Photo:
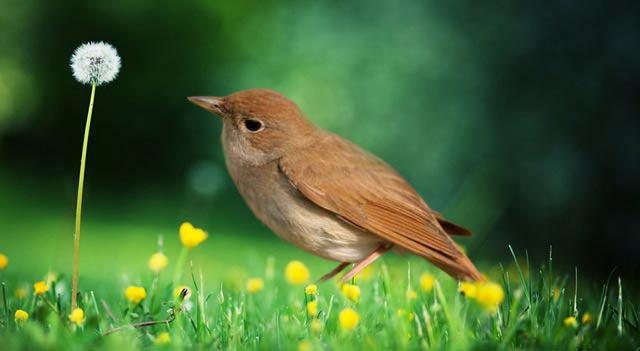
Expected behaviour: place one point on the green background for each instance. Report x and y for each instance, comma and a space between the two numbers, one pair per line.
518, 120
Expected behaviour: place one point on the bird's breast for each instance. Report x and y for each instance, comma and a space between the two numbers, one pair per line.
294, 218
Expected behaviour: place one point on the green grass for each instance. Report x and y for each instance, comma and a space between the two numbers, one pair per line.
223, 315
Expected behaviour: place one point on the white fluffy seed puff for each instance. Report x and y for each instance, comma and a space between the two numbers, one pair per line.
95, 63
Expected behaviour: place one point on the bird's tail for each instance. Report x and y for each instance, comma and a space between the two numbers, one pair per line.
460, 268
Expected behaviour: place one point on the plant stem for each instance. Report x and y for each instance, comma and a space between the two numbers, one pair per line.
76, 244
184, 252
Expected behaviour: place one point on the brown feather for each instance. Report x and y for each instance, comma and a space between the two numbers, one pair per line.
364, 191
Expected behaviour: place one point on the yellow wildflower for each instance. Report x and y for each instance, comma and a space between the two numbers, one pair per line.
570, 322
556, 294
351, 292
162, 339
178, 291
191, 236
21, 316
586, 318
410, 316
4, 261
158, 262
254, 285
365, 275
489, 294
348, 319
312, 308
135, 294
311, 289
316, 325
411, 294
77, 316
40, 288
296, 272
21, 293
426, 282
468, 289
305, 345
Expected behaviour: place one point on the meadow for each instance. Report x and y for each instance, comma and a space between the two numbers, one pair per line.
242, 292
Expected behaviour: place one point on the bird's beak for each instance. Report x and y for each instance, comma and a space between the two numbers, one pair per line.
212, 104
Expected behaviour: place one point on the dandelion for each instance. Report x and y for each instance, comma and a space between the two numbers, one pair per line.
135, 294
157, 262
296, 273
21, 316
490, 295
4, 261
468, 289
411, 294
254, 285
162, 339
182, 292
426, 282
21, 293
351, 292
586, 318
305, 345
77, 316
570, 322
348, 319
95, 64
312, 308
191, 236
311, 289
316, 325
40, 288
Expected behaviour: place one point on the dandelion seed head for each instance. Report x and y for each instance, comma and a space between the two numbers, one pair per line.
95, 63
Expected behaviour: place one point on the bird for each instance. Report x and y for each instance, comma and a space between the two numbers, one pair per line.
324, 194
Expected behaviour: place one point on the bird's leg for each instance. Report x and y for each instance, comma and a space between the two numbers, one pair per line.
377, 253
335, 271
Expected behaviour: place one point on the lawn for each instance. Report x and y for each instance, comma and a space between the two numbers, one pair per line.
240, 295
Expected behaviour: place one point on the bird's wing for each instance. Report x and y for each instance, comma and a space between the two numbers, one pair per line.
364, 191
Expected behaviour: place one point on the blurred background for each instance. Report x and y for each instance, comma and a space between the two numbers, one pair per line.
518, 120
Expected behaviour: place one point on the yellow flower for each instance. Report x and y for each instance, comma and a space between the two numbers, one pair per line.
254, 285
305, 345
191, 236
4, 261
365, 275
426, 282
40, 288
177, 291
135, 294
570, 322
312, 308
77, 316
468, 289
21, 293
351, 292
162, 339
21, 316
348, 319
586, 318
556, 294
489, 294
311, 289
411, 294
296, 273
158, 262
316, 325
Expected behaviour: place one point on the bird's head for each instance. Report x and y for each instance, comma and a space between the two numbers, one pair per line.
259, 124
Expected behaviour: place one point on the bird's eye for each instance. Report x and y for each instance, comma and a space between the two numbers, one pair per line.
253, 125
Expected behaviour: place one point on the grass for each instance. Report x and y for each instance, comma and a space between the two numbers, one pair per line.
221, 313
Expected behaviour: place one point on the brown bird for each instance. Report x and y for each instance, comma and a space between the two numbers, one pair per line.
325, 194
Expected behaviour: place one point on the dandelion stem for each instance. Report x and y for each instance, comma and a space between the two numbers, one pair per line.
76, 244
